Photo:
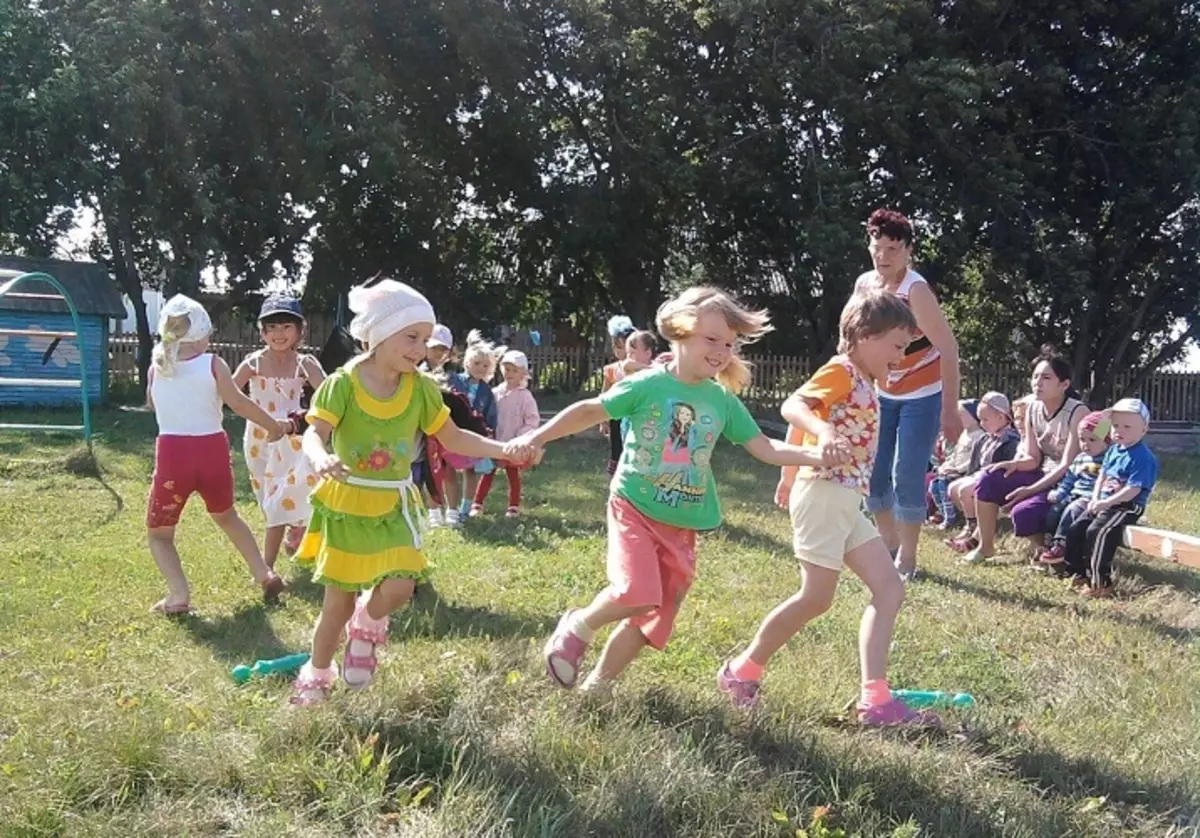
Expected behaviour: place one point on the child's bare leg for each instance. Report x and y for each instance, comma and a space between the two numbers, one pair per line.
873, 566
336, 610
162, 548
471, 479
624, 644
603, 610
787, 619
272, 541
243, 539
389, 595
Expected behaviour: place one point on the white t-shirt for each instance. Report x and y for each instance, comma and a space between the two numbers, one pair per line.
186, 402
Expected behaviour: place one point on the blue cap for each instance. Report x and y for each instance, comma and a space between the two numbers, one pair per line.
281, 305
971, 406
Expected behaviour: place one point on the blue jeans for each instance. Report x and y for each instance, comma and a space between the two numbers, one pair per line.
908, 431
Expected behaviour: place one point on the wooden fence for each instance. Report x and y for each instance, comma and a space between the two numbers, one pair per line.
1171, 396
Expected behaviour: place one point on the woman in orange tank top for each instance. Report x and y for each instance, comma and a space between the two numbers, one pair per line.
920, 394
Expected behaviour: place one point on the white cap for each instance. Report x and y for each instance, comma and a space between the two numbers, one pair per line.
516, 358
1132, 406
442, 336
385, 308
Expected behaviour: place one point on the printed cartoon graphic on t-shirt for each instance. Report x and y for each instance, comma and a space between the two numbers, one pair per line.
673, 450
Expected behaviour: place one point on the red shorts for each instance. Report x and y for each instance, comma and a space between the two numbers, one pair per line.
187, 464
649, 563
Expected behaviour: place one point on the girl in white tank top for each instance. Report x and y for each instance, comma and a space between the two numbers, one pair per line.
191, 455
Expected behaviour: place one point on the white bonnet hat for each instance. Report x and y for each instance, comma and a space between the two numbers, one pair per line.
385, 308
199, 324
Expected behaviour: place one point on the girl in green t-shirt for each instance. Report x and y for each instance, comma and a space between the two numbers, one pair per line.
663, 491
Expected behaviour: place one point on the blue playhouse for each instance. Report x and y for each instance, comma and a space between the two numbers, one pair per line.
49, 352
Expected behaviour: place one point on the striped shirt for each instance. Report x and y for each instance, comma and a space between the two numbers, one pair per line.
920, 373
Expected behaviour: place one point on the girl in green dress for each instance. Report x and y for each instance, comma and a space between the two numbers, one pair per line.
367, 515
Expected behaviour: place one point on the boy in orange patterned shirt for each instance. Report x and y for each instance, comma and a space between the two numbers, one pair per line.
838, 411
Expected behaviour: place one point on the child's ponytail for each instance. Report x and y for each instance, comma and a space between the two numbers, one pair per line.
166, 352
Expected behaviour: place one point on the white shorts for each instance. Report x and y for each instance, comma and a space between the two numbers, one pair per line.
827, 522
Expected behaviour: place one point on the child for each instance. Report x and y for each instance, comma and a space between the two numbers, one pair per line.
837, 410
280, 474
1122, 490
663, 491
619, 329
191, 454
1070, 498
998, 443
480, 366
956, 464
364, 534
516, 414
438, 353
639, 351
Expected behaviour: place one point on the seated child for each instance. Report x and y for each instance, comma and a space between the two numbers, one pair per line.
998, 442
1074, 492
1122, 490
955, 465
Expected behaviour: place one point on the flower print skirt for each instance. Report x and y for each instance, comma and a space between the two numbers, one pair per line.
363, 532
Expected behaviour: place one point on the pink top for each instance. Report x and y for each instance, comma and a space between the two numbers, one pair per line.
516, 412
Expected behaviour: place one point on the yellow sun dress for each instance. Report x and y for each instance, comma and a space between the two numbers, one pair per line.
368, 528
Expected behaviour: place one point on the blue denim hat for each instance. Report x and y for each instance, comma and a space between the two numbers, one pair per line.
281, 305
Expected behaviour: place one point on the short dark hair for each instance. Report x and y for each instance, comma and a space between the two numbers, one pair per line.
1059, 365
886, 222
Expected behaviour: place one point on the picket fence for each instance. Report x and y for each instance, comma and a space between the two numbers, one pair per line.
1171, 396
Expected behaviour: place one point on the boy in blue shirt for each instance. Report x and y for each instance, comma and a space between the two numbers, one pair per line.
1122, 490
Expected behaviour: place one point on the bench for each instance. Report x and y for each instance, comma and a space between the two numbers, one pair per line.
1172, 546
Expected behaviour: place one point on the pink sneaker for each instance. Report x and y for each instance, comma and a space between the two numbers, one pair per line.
564, 653
896, 713
743, 694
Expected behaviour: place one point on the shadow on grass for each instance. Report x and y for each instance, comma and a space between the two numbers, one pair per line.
1033, 603
241, 637
431, 616
1151, 573
536, 797
1059, 776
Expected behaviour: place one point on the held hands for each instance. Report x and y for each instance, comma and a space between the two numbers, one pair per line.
834, 450
331, 465
952, 426
523, 451
277, 430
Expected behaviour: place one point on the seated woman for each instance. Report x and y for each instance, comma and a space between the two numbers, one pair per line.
1051, 441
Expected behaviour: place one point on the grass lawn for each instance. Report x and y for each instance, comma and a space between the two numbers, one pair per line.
114, 722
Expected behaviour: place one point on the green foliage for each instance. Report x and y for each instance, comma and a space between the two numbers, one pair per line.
566, 158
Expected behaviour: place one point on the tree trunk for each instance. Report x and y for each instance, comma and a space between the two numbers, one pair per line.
119, 230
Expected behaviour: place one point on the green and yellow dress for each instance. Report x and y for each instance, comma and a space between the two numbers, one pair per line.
368, 528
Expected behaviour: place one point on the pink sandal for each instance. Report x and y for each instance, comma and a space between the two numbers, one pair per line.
312, 686
363, 628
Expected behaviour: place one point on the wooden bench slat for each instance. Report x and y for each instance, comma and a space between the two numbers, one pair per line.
1173, 546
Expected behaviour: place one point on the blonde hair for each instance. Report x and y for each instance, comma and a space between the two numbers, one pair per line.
871, 313
166, 351
676, 321
479, 349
